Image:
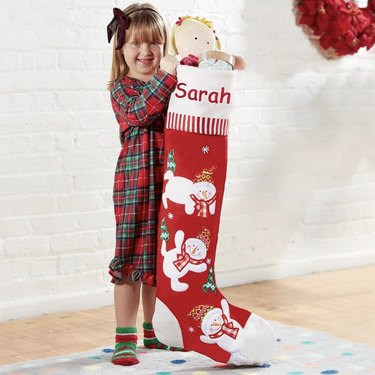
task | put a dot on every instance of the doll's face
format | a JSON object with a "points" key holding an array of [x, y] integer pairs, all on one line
{"points": [[194, 37]]}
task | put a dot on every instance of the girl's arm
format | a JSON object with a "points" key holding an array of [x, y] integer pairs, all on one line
{"points": [[140, 109]]}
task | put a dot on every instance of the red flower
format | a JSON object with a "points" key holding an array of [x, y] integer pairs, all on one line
{"points": [[340, 25], [322, 23], [308, 7], [367, 39]]}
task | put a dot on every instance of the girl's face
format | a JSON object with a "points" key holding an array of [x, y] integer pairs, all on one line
{"points": [[143, 58]]}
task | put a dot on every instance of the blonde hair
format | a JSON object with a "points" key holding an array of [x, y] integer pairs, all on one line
{"points": [[179, 24], [148, 25]]}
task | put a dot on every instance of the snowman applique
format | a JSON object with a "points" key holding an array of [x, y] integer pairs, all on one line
{"points": [[187, 256], [218, 328], [197, 195]]}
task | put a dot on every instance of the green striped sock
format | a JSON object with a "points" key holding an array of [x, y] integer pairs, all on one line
{"points": [[150, 341], [125, 353]]}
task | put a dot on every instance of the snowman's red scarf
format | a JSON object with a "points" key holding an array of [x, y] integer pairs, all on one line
{"points": [[184, 259], [227, 329], [202, 205]]}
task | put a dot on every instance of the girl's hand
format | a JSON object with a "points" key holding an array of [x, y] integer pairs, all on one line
{"points": [[169, 63], [239, 63]]}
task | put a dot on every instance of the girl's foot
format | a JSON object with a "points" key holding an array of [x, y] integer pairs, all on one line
{"points": [[151, 342], [125, 353]]}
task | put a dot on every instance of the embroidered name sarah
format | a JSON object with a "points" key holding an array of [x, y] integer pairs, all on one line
{"points": [[215, 97]]}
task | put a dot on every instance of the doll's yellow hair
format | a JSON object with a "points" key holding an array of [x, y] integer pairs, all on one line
{"points": [[209, 24], [203, 20]]}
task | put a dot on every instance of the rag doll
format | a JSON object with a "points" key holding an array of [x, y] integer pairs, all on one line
{"points": [[192, 36]]}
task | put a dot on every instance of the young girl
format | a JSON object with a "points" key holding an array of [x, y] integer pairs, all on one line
{"points": [[142, 79]]}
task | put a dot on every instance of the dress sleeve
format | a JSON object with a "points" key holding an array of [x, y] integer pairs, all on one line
{"points": [[140, 109]]}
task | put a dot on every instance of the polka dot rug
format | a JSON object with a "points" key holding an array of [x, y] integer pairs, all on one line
{"points": [[299, 352]]}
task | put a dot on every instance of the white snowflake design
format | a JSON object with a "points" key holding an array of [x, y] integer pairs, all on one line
{"points": [[191, 329], [208, 261], [205, 149], [170, 216]]}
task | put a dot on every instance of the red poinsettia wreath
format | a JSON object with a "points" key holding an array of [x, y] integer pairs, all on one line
{"points": [[340, 27]]}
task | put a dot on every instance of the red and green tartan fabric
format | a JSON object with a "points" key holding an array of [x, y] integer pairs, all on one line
{"points": [[140, 109]]}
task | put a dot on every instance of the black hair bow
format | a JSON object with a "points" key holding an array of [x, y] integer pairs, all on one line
{"points": [[120, 22]]}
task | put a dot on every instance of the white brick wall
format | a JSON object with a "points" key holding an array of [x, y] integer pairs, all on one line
{"points": [[300, 192]]}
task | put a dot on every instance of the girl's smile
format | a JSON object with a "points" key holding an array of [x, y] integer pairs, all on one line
{"points": [[142, 58]]}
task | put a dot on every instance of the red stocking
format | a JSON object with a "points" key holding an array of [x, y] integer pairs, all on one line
{"points": [[190, 311]]}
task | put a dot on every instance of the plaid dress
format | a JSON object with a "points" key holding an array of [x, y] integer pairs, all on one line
{"points": [[140, 109]]}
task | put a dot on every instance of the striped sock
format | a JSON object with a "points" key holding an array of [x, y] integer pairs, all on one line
{"points": [[150, 341], [125, 353]]}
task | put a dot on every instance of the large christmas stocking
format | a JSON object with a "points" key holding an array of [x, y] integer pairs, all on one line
{"points": [[191, 312]]}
